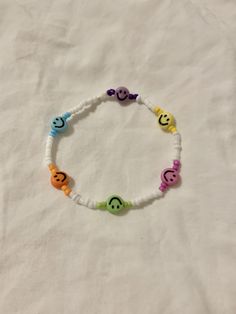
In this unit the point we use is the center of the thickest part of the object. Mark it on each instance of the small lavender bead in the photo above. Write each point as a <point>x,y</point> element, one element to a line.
<point>133,96</point>
<point>111,92</point>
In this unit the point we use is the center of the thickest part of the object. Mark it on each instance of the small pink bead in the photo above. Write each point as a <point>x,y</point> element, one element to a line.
<point>162,189</point>
<point>176,165</point>
<point>176,162</point>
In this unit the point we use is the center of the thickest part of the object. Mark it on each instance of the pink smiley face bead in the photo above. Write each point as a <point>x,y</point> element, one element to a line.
<point>170,176</point>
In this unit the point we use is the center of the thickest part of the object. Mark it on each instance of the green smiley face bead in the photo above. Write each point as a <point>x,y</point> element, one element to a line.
<point>114,204</point>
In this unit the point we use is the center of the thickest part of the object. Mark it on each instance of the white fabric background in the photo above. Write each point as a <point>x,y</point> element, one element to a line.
<point>175,256</point>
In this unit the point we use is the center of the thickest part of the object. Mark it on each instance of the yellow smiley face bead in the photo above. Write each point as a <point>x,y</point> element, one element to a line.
<point>166,120</point>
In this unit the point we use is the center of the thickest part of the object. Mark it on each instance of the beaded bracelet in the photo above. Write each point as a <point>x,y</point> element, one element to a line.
<point>114,204</point>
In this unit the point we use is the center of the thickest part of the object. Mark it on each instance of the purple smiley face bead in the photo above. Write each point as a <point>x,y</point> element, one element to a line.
<point>122,93</point>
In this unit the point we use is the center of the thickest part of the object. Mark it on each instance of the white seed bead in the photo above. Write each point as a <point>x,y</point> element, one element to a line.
<point>177,138</point>
<point>87,103</point>
<point>87,202</point>
<point>104,97</point>
<point>139,99</point>
<point>48,160</point>
<point>147,198</point>
<point>75,197</point>
<point>176,155</point>
<point>177,146</point>
<point>48,151</point>
<point>144,101</point>
<point>150,105</point>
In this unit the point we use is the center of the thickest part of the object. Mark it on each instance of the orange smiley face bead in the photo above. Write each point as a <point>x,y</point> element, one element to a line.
<point>59,178</point>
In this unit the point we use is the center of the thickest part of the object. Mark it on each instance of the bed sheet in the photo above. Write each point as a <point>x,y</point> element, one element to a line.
<point>174,256</point>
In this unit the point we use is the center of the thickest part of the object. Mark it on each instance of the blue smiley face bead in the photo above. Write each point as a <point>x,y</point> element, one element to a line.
<point>59,124</point>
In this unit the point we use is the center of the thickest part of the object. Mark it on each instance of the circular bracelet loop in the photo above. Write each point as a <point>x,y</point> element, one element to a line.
<point>114,203</point>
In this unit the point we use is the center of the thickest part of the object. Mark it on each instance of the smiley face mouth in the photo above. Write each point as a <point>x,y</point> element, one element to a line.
<point>60,126</point>
<point>161,123</point>
<point>64,175</point>
<point>121,99</point>
<point>115,198</point>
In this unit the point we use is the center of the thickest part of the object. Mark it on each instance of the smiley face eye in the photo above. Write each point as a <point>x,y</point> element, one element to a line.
<point>57,179</point>
<point>54,122</point>
<point>117,206</point>
<point>120,91</point>
<point>168,119</point>
<point>171,179</point>
<point>57,119</point>
<point>112,206</point>
<point>165,115</point>
<point>55,176</point>
<point>174,175</point>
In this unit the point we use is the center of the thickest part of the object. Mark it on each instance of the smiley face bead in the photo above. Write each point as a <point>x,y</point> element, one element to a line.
<point>114,204</point>
<point>170,176</point>
<point>59,124</point>
<point>59,179</point>
<point>122,93</point>
<point>165,120</point>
